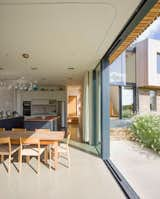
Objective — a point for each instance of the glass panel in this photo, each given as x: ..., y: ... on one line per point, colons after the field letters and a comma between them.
x: 153, y: 100
x: 135, y: 139
x: 118, y: 70
x: 127, y: 102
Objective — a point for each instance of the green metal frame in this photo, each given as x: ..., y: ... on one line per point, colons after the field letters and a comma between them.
x: 140, y: 12
x: 137, y: 16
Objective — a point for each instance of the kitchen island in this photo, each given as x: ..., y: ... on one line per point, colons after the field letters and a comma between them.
x: 12, y: 122
x: 43, y: 122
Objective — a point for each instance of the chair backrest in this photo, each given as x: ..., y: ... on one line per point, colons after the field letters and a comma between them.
x: 6, y: 140
x: 68, y: 137
x: 18, y: 130
x: 42, y: 130
x: 2, y: 129
x: 29, y: 140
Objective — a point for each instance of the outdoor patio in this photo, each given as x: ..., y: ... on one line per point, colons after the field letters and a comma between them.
x: 140, y: 166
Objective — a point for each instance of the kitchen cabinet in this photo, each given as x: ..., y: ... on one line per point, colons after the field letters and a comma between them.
x: 9, y: 123
x: 40, y: 98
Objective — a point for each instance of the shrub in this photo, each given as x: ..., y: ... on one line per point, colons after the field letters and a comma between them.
x: 146, y: 129
x: 127, y: 111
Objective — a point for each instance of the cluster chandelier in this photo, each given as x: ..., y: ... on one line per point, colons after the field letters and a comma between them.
x: 19, y: 84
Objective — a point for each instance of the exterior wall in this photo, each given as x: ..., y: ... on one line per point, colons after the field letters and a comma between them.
x: 146, y: 72
x: 158, y: 101
x: 146, y: 63
x: 144, y: 101
x: 153, y: 49
x: 131, y: 67
x: 142, y: 63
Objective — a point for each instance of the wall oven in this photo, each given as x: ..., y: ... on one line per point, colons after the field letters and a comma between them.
x: 26, y: 108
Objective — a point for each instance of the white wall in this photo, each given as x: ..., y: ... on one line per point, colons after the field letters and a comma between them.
x: 153, y: 49
x: 7, y: 99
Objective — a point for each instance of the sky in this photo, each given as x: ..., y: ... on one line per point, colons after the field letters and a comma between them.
x: 153, y: 31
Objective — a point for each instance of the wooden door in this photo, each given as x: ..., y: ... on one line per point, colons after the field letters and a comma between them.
x: 72, y: 105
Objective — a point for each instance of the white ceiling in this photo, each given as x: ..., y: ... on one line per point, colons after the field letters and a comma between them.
x: 58, y: 34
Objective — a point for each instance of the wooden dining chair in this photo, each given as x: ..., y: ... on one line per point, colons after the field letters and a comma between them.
x: 47, y: 146
x: 2, y: 129
x: 63, y: 149
x: 18, y: 130
x: 30, y: 147
x: 6, y: 149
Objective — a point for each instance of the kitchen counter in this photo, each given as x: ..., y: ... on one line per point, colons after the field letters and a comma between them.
x: 47, y: 122
x: 45, y: 118
x: 13, y: 122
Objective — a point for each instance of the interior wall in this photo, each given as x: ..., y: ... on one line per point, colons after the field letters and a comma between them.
x: 8, y: 97
x: 114, y: 101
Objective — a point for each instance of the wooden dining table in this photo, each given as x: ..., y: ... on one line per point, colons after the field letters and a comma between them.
x: 46, y: 138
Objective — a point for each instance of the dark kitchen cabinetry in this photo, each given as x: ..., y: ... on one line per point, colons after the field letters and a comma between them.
x: 9, y: 123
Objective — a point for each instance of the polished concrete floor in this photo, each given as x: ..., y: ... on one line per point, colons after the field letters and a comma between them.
x: 77, y: 142
x: 76, y: 133
x: 140, y: 166
x: 87, y: 178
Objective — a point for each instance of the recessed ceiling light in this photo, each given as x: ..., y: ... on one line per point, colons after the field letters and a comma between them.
x: 70, y: 68
x: 34, y: 68
x: 25, y: 55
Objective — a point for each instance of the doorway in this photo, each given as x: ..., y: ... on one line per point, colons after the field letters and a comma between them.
x: 74, y: 103
x: 72, y: 106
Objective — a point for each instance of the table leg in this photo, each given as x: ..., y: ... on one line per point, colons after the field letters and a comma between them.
x: 46, y: 155
x: 56, y: 156
x: 2, y: 158
x: 27, y: 159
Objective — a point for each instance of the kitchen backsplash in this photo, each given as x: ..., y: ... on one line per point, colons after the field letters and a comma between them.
x: 7, y: 99
x: 43, y: 109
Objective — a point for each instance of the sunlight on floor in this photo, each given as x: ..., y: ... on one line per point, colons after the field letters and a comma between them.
x: 87, y: 178
x: 140, y: 166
